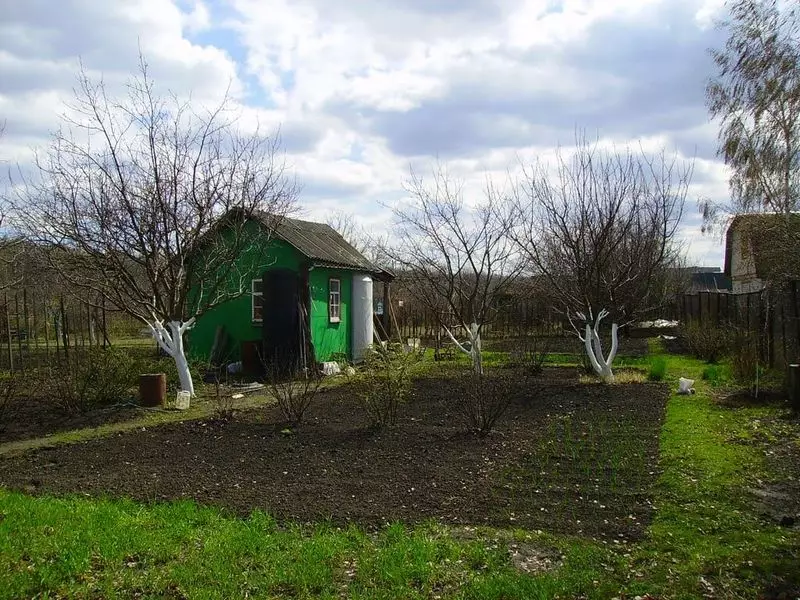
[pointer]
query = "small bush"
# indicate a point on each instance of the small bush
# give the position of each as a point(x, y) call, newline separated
point(483, 401)
point(94, 378)
point(294, 397)
point(745, 360)
point(14, 388)
point(714, 375)
point(385, 382)
point(528, 355)
point(658, 369)
point(707, 342)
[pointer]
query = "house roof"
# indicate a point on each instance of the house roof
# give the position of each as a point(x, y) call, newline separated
point(324, 246)
point(753, 220)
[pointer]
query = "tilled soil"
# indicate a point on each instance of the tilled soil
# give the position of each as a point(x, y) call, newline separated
point(566, 457)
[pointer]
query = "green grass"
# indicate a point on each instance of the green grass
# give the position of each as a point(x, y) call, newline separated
point(102, 548)
point(705, 536)
point(658, 368)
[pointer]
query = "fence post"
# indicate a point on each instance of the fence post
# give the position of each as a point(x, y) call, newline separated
point(8, 334)
point(64, 326)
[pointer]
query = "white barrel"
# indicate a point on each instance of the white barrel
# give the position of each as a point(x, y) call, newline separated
point(361, 315)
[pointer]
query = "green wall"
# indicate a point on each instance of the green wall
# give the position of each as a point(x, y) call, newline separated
point(235, 315)
point(330, 338)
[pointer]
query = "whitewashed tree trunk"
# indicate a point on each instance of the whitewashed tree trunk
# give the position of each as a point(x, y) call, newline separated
point(171, 341)
point(594, 348)
point(474, 351)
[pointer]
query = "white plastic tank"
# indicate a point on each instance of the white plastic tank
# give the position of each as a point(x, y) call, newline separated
point(361, 315)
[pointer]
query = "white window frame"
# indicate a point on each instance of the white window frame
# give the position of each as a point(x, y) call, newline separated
point(253, 295)
point(334, 300)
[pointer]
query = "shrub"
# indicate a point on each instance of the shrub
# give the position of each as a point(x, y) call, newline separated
point(528, 355)
point(658, 369)
point(14, 387)
point(745, 360)
point(93, 378)
point(714, 375)
point(483, 401)
point(707, 342)
point(385, 382)
point(294, 397)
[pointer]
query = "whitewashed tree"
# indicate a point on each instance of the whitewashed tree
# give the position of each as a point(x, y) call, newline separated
point(146, 201)
point(456, 260)
point(600, 226)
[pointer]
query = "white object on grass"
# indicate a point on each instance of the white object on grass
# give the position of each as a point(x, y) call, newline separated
point(685, 386)
point(331, 368)
point(182, 400)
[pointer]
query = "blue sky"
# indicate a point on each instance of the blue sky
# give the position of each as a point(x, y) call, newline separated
point(362, 89)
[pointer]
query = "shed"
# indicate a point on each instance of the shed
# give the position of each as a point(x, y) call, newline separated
point(310, 299)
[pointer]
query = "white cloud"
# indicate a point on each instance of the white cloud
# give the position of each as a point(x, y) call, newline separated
point(362, 89)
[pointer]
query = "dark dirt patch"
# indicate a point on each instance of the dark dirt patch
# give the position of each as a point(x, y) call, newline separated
point(40, 417)
point(543, 468)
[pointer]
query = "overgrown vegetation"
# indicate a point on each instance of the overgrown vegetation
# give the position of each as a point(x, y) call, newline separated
point(385, 382)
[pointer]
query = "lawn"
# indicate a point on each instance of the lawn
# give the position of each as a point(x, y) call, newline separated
point(584, 491)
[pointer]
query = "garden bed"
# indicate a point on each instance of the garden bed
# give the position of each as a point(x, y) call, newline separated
point(568, 457)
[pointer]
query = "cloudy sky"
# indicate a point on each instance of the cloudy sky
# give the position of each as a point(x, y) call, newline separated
point(362, 89)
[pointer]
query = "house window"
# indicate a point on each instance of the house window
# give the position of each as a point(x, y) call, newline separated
point(334, 300)
point(257, 300)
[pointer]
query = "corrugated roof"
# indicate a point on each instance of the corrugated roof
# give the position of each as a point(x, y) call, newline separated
point(323, 245)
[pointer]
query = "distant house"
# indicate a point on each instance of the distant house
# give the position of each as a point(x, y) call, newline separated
point(708, 279)
point(755, 244)
point(311, 298)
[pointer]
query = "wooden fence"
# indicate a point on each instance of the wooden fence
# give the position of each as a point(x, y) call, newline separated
point(774, 315)
point(37, 331)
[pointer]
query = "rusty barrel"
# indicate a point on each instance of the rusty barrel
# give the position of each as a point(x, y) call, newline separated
point(152, 389)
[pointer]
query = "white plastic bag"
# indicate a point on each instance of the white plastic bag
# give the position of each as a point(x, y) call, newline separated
point(685, 386)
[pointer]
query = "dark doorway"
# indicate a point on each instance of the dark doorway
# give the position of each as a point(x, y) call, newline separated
point(284, 329)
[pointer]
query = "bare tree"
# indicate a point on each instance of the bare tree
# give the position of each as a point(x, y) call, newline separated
point(601, 229)
point(370, 244)
point(755, 97)
point(459, 260)
point(9, 244)
point(147, 202)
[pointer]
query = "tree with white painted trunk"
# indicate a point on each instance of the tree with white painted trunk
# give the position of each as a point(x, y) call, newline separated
point(146, 201)
point(454, 259)
point(600, 227)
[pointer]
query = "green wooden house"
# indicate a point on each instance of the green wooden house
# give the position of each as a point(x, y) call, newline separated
point(310, 297)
